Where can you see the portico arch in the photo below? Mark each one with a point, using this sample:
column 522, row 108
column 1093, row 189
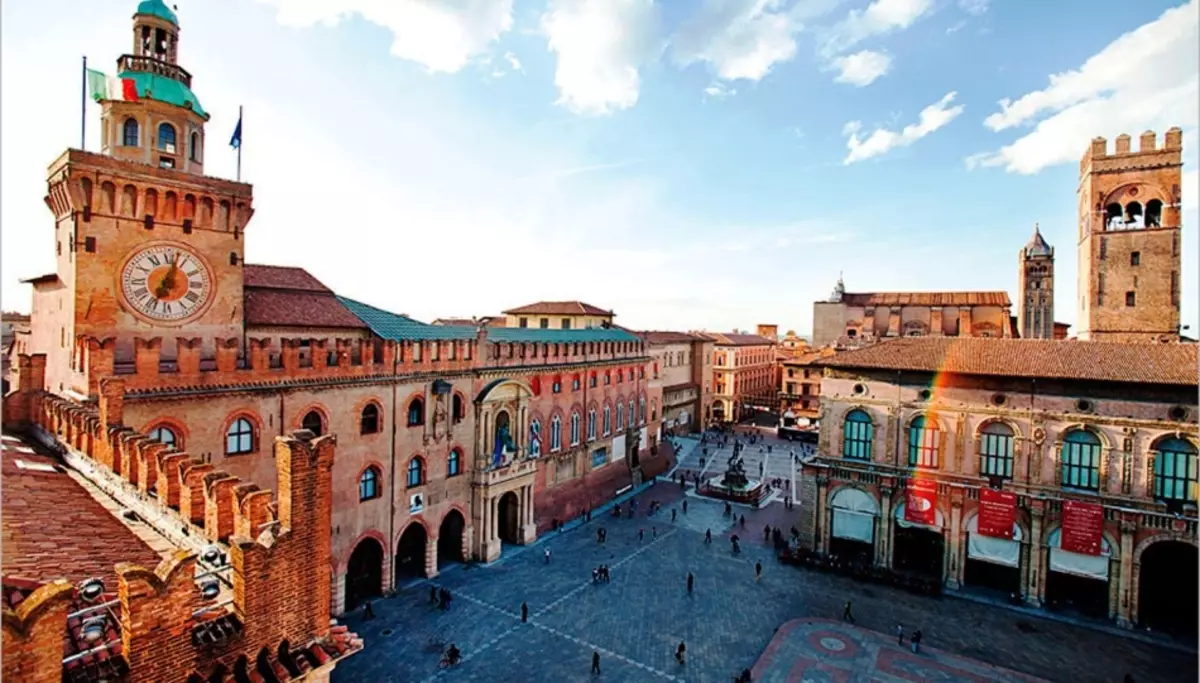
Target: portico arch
column 1165, row 567
column 853, row 515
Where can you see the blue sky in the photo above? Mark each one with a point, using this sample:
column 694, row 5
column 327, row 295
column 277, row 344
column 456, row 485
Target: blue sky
column 690, row 164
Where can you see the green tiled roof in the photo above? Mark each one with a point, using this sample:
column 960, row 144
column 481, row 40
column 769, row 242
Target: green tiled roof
column 158, row 9
column 402, row 328
column 163, row 89
column 548, row 336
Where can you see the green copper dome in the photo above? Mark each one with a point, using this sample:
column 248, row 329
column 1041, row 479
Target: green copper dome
column 157, row 8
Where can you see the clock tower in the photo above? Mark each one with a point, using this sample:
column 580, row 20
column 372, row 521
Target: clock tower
column 149, row 249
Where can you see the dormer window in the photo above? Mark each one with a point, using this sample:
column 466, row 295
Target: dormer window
column 129, row 137
column 166, row 138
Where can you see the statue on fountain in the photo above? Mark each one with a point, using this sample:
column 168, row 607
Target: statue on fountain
column 735, row 475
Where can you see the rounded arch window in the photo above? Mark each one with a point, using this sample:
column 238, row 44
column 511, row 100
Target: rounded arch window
column 194, row 147
column 312, row 422
column 457, row 409
column 555, row 433
column 416, row 413
column 164, row 434
column 1081, row 452
column 535, row 438
column 239, row 438
column 368, row 484
column 166, row 138
column 1175, row 470
column 996, row 450
column 416, row 472
column 857, row 435
column 129, row 133
column 370, row 419
column 924, row 442
column 454, row 463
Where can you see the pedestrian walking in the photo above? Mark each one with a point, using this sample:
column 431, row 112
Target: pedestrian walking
column 673, row 511
column 685, row 507
column 690, row 582
column 433, row 595
column 758, row 571
column 547, row 556
column 641, row 534
column 846, row 615
column 708, row 535
column 767, row 533
column 368, row 612
column 742, row 521
column 654, row 531
column 900, row 634
column 524, row 612
column 595, row 662
column 916, row 641
column 680, row 652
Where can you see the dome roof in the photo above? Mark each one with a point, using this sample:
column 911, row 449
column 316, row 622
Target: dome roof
column 1037, row 245
column 157, row 8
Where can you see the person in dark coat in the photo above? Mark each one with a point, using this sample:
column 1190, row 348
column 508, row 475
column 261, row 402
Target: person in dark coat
column 595, row 662
column 691, row 580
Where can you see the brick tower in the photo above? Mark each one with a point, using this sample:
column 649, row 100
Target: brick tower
column 1035, row 301
column 149, row 248
column 1129, row 231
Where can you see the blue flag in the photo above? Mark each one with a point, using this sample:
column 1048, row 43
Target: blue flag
column 236, row 141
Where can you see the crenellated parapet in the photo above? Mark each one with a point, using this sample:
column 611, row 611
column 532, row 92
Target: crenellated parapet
column 278, row 546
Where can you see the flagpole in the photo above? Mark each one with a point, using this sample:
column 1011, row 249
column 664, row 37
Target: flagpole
column 83, row 108
column 239, row 167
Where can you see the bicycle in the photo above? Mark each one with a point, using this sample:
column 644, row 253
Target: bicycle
column 447, row 663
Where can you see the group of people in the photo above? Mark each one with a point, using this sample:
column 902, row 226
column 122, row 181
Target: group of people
column 600, row 574
column 914, row 640
column 441, row 597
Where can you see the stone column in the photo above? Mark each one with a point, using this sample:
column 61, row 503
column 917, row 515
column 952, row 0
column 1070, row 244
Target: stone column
column 337, row 589
column 882, row 547
column 935, row 321
column 431, row 557
column 1037, row 564
column 1125, row 586
column 868, row 324
column 822, row 517
column 527, row 528
column 955, row 569
column 964, row 321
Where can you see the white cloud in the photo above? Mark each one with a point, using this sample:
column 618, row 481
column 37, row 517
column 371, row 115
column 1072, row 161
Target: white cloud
column 882, row 140
column 739, row 39
column 600, row 46
column 441, row 36
column 719, row 91
column 879, row 18
column 513, row 61
column 1144, row 79
column 862, row 68
column 974, row 7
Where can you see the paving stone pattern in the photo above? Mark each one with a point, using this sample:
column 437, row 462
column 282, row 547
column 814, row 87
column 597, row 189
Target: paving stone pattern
column 730, row 622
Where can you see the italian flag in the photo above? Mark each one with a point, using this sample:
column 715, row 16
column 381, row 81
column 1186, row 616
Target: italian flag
column 105, row 87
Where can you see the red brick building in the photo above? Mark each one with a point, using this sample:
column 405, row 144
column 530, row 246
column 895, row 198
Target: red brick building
column 452, row 439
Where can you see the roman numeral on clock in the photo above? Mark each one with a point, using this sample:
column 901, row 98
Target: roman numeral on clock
column 192, row 297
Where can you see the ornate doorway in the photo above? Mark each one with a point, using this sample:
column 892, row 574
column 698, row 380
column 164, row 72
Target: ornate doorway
column 509, row 520
column 450, row 538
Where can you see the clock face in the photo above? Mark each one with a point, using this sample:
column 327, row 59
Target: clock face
column 166, row 283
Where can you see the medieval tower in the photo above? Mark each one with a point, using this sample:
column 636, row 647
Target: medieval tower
column 1035, row 303
column 1129, row 231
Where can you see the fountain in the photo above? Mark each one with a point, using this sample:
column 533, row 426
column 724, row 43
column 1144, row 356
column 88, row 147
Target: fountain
column 735, row 486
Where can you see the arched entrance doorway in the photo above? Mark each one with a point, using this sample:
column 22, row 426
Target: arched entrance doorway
column 509, row 518
column 918, row 548
column 993, row 563
column 1167, row 587
column 410, row 553
column 1076, row 582
column 852, row 531
column 450, row 538
column 364, row 573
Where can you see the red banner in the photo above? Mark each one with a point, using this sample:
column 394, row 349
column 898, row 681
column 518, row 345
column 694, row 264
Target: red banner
column 920, row 502
column 997, row 512
column 1082, row 527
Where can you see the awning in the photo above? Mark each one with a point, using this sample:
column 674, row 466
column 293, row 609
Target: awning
column 941, row 520
column 1087, row 566
column 993, row 549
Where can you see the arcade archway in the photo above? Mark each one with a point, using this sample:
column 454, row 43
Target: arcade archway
column 509, row 518
column 450, row 538
column 410, row 552
column 1167, row 587
column 1076, row 582
column 364, row 573
column 918, row 548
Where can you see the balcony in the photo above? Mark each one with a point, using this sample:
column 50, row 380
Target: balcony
column 513, row 468
column 154, row 66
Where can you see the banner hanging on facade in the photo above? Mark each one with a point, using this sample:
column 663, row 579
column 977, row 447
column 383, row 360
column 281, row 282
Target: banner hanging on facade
column 920, row 502
column 1082, row 527
column 997, row 512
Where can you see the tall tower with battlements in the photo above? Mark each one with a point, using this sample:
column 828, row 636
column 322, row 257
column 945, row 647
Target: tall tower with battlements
column 1129, row 239
column 1035, row 303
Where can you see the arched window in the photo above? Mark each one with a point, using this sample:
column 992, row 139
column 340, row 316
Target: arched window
column 621, row 416
column 555, row 434
column 240, row 437
column 857, row 435
column 166, row 138
column 368, row 484
column 641, row 410
column 129, row 136
column 1175, row 476
column 1081, row 460
column 924, row 442
column 416, row 413
column 370, row 419
column 591, row 432
column 607, row 420
column 416, row 472
column 313, row 423
column 457, row 410
column 653, row 410
column 535, row 438
column 574, row 429
column 996, row 450
column 454, row 464
column 194, row 147
column 164, row 435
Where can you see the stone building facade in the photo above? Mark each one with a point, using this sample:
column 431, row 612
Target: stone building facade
column 558, row 315
column 683, row 369
column 452, row 439
column 1130, row 225
column 800, row 384
column 744, row 376
column 849, row 319
column 1035, row 289
column 1048, row 428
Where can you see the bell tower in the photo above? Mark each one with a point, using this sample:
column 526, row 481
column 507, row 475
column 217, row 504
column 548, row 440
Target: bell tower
column 1035, row 305
column 149, row 249
column 1129, row 232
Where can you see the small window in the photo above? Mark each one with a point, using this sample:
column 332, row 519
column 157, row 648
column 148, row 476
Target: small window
column 166, row 138
column 166, row 162
column 566, row 323
column 313, row 423
column 524, row 322
column 368, row 484
column 239, row 438
column 592, row 382
column 416, row 413
column 129, row 136
column 164, row 435
column 544, row 323
column 454, row 464
column 194, row 147
column 457, row 411
column 1135, row 258
column 575, row 384
column 370, row 419
column 860, row 389
column 1130, row 299
column 556, row 387
column 416, row 472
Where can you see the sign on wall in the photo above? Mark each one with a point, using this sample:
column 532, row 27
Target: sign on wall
column 997, row 512
column 920, row 502
column 416, row 503
column 1082, row 527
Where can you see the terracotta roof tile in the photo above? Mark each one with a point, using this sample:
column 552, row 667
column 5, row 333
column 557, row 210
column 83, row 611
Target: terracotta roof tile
column 280, row 277
column 668, row 337
column 927, row 299
column 732, row 339
column 1136, row 363
column 558, row 308
column 293, row 308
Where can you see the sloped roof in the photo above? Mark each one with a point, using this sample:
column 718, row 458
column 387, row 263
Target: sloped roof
column 403, row 328
column 668, row 337
column 558, row 308
column 927, row 299
column 280, row 277
column 1037, row 245
column 733, row 339
column 551, row 336
column 1135, row 363
column 283, row 296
